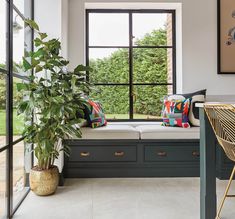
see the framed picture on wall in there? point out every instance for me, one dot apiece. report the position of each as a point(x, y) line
point(226, 36)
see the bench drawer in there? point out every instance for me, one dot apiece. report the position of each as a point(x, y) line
point(171, 153)
point(103, 154)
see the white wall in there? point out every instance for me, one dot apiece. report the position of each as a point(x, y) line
point(199, 44)
point(52, 18)
point(64, 27)
point(48, 16)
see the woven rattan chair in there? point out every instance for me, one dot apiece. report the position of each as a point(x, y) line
point(222, 120)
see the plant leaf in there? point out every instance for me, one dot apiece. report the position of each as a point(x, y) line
point(32, 24)
point(26, 64)
point(82, 68)
point(43, 35)
point(21, 86)
point(22, 107)
point(38, 69)
point(37, 42)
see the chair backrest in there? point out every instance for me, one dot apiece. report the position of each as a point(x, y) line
point(222, 120)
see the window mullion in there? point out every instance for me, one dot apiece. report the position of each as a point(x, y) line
point(174, 50)
point(9, 106)
point(87, 44)
point(131, 92)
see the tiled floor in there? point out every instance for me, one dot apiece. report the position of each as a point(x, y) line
point(143, 198)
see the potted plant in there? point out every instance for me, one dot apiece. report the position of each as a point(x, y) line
point(52, 104)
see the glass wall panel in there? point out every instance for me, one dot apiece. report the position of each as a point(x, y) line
point(2, 33)
point(19, 173)
point(2, 109)
point(13, 168)
point(18, 52)
point(18, 122)
point(19, 4)
point(3, 196)
point(114, 100)
point(18, 42)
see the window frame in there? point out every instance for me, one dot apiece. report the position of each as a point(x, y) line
point(11, 207)
point(131, 48)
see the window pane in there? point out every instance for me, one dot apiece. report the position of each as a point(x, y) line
point(114, 100)
point(2, 33)
point(2, 110)
point(20, 5)
point(18, 120)
point(148, 101)
point(108, 29)
point(18, 42)
point(19, 173)
point(18, 52)
point(152, 65)
point(152, 29)
point(3, 195)
point(109, 65)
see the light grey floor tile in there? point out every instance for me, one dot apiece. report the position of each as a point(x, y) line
point(140, 198)
point(116, 198)
point(71, 201)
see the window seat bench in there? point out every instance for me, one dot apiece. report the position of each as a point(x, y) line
point(138, 149)
point(143, 130)
point(134, 149)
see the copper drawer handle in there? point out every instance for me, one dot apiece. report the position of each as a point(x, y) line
point(85, 154)
point(196, 154)
point(119, 153)
point(162, 153)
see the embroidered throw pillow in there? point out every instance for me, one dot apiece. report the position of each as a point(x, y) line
point(175, 113)
point(197, 97)
point(94, 114)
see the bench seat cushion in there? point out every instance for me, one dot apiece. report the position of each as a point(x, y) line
point(135, 123)
point(163, 132)
point(110, 131)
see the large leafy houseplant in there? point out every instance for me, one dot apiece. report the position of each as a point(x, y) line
point(53, 99)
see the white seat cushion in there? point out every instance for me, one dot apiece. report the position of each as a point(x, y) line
point(135, 124)
point(163, 132)
point(110, 132)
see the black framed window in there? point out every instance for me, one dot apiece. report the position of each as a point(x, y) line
point(133, 57)
point(15, 39)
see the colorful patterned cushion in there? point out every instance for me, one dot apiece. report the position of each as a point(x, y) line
point(175, 113)
point(197, 97)
point(94, 114)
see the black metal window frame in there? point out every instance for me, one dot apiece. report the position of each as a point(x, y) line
point(10, 75)
point(131, 84)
